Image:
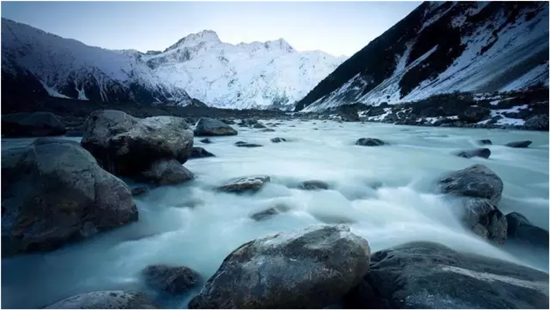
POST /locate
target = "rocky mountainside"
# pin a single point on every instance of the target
(254, 75)
(443, 47)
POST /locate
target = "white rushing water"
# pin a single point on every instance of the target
(387, 193)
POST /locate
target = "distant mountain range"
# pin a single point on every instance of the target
(443, 47)
(254, 75)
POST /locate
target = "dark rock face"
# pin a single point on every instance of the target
(245, 184)
(172, 280)
(213, 127)
(484, 152)
(32, 125)
(54, 193)
(313, 185)
(199, 152)
(475, 181)
(537, 122)
(369, 142)
(127, 146)
(317, 265)
(521, 230)
(206, 141)
(278, 140)
(519, 144)
(165, 172)
(424, 275)
(348, 113)
(106, 300)
(139, 191)
(485, 142)
(246, 144)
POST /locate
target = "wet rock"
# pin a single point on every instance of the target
(248, 122)
(268, 213)
(537, 122)
(246, 144)
(484, 153)
(32, 125)
(127, 146)
(171, 279)
(213, 127)
(369, 142)
(199, 152)
(425, 275)
(317, 265)
(519, 144)
(485, 142)
(139, 191)
(475, 181)
(268, 130)
(485, 220)
(259, 126)
(106, 300)
(205, 141)
(55, 193)
(245, 184)
(166, 172)
(278, 140)
(521, 230)
(313, 185)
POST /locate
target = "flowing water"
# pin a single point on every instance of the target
(386, 194)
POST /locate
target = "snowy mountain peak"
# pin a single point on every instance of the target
(194, 39)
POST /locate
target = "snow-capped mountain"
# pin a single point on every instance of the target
(443, 47)
(68, 68)
(246, 75)
(253, 75)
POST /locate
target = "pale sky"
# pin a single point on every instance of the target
(338, 28)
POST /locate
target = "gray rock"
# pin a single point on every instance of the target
(268, 130)
(278, 140)
(484, 153)
(537, 122)
(171, 279)
(259, 126)
(206, 141)
(521, 230)
(307, 268)
(139, 191)
(199, 152)
(268, 213)
(213, 127)
(55, 193)
(246, 144)
(519, 144)
(245, 184)
(106, 300)
(485, 219)
(369, 142)
(425, 275)
(32, 125)
(475, 181)
(473, 114)
(165, 172)
(485, 142)
(127, 146)
(313, 185)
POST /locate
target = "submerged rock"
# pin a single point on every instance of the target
(139, 191)
(485, 142)
(519, 144)
(106, 300)
(55, 193)
(425, 275)
(127, 146)
(484, 153)
(278, 140)
(307, 268)
(268, 130)
(171, 279)
(32, 125)
(246, 144)
(199, 152)
(212, 127)
(259, 126)
(164, 172)
(521, 230)
(205, 141)
(268, 213)
(313, 185)
(369, 142)
(475, 181)
(245, 184)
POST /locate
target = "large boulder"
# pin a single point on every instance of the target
(127, 146)
(171, 279)
(200, 152)
(32, 125)
(54, 193)
(213, 127)
(245, 184)
(484, 219)
(537, 122)
(106, 300)
(348, 113)
(307, 268)
(425, 275)
(476, 181)
(482, 152)
(521, 230)
(166, 172)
